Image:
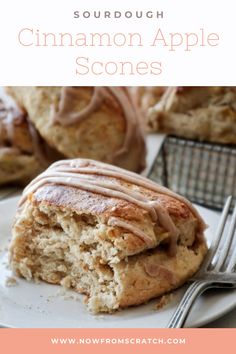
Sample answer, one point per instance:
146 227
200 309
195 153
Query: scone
204 113
23 155
108 233
101 123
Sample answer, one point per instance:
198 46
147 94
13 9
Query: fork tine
220 250
219 233
223 250
232 262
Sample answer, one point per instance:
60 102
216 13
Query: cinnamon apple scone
105 232
23 154
100 123
204 113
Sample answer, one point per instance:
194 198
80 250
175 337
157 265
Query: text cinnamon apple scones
111 234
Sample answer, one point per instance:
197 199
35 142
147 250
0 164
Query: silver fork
217 270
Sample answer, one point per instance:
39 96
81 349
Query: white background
56 66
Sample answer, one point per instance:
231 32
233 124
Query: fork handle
181 313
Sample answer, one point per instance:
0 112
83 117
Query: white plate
43 305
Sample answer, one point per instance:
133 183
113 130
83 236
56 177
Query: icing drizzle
134 133
83 174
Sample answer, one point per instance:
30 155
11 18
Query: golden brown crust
79 200
84 202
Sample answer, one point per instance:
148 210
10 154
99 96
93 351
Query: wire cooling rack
203 172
